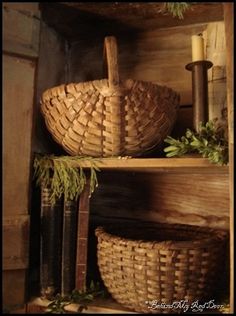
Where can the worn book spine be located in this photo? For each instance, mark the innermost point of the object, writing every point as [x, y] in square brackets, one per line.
[82, 238]
[69, 247]
[50, 244]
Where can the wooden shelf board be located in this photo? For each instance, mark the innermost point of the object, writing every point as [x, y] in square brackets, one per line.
[183, 165]
[124, 17]
[99, 305]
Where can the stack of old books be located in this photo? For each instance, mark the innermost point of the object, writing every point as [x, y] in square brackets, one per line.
[57, 245]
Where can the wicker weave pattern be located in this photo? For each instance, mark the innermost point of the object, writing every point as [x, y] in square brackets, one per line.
[137, 271]
[102, 118]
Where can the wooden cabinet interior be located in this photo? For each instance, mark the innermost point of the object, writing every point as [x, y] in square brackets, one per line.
[152, 47]
[155, 48]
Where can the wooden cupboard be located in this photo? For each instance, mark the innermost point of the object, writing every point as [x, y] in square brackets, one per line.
[20, 51]
[152, 47]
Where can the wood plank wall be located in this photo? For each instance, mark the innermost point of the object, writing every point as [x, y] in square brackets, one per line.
[160, 56]
[216, 52]
[52, 70]
[20, 47]
[195, 199]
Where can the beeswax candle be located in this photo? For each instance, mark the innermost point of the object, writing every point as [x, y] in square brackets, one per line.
[197, 48]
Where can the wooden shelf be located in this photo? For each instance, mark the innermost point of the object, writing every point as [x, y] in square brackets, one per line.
[123, 17]
[174, 165]
[98, 306]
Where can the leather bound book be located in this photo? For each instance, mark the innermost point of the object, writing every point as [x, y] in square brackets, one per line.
[50, 244]
[69, 247]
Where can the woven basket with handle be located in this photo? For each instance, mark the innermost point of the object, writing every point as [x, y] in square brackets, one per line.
[109, 117]
[146, 265]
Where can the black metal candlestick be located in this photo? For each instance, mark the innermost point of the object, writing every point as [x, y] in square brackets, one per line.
[199, 91]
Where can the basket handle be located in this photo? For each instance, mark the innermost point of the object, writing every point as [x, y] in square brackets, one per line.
[111, 60]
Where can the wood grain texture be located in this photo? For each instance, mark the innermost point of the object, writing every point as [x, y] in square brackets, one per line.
[14, 289]
[78, 20]
[15, 242]
[18, 96]
[187, 202]
[160, 56]
[110, 47]
[157, 56]
[173, 165]
[21, 25]
[52, 70]
[97, 306]
[229, 33]
[20, 38]
[170, 198]
[216, 53]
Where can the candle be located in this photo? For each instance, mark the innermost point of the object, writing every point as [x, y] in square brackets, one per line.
[197, 48]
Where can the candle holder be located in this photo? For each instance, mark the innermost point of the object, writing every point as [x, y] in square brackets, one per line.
[199, 91]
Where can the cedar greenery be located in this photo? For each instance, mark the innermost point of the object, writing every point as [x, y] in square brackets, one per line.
[177, 9]
[58, 303]
[211, 142]
[64, 175]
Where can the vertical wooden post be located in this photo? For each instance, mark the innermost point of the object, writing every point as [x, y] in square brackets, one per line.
[228, 18]
[82, 238]
[216, 53]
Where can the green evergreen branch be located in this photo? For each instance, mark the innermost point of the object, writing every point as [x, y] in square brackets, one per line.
[177, 9]
[211, 142]
[58, 303]
[64, 175]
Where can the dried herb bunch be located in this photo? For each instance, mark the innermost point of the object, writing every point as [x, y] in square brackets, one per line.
[211, 142]
[64, 175]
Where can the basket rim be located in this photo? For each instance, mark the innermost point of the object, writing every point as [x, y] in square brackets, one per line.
[65, 88]
[212, 236]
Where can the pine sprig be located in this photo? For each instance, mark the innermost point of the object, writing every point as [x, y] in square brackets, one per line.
[177, 9]
[58, 303]
[64, 175]
[211, 142]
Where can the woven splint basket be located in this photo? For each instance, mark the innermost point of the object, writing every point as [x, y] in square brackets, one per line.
[148, 267]
[109, 117]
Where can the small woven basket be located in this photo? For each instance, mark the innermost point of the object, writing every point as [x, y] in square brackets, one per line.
[144, 266]
[109, 117]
